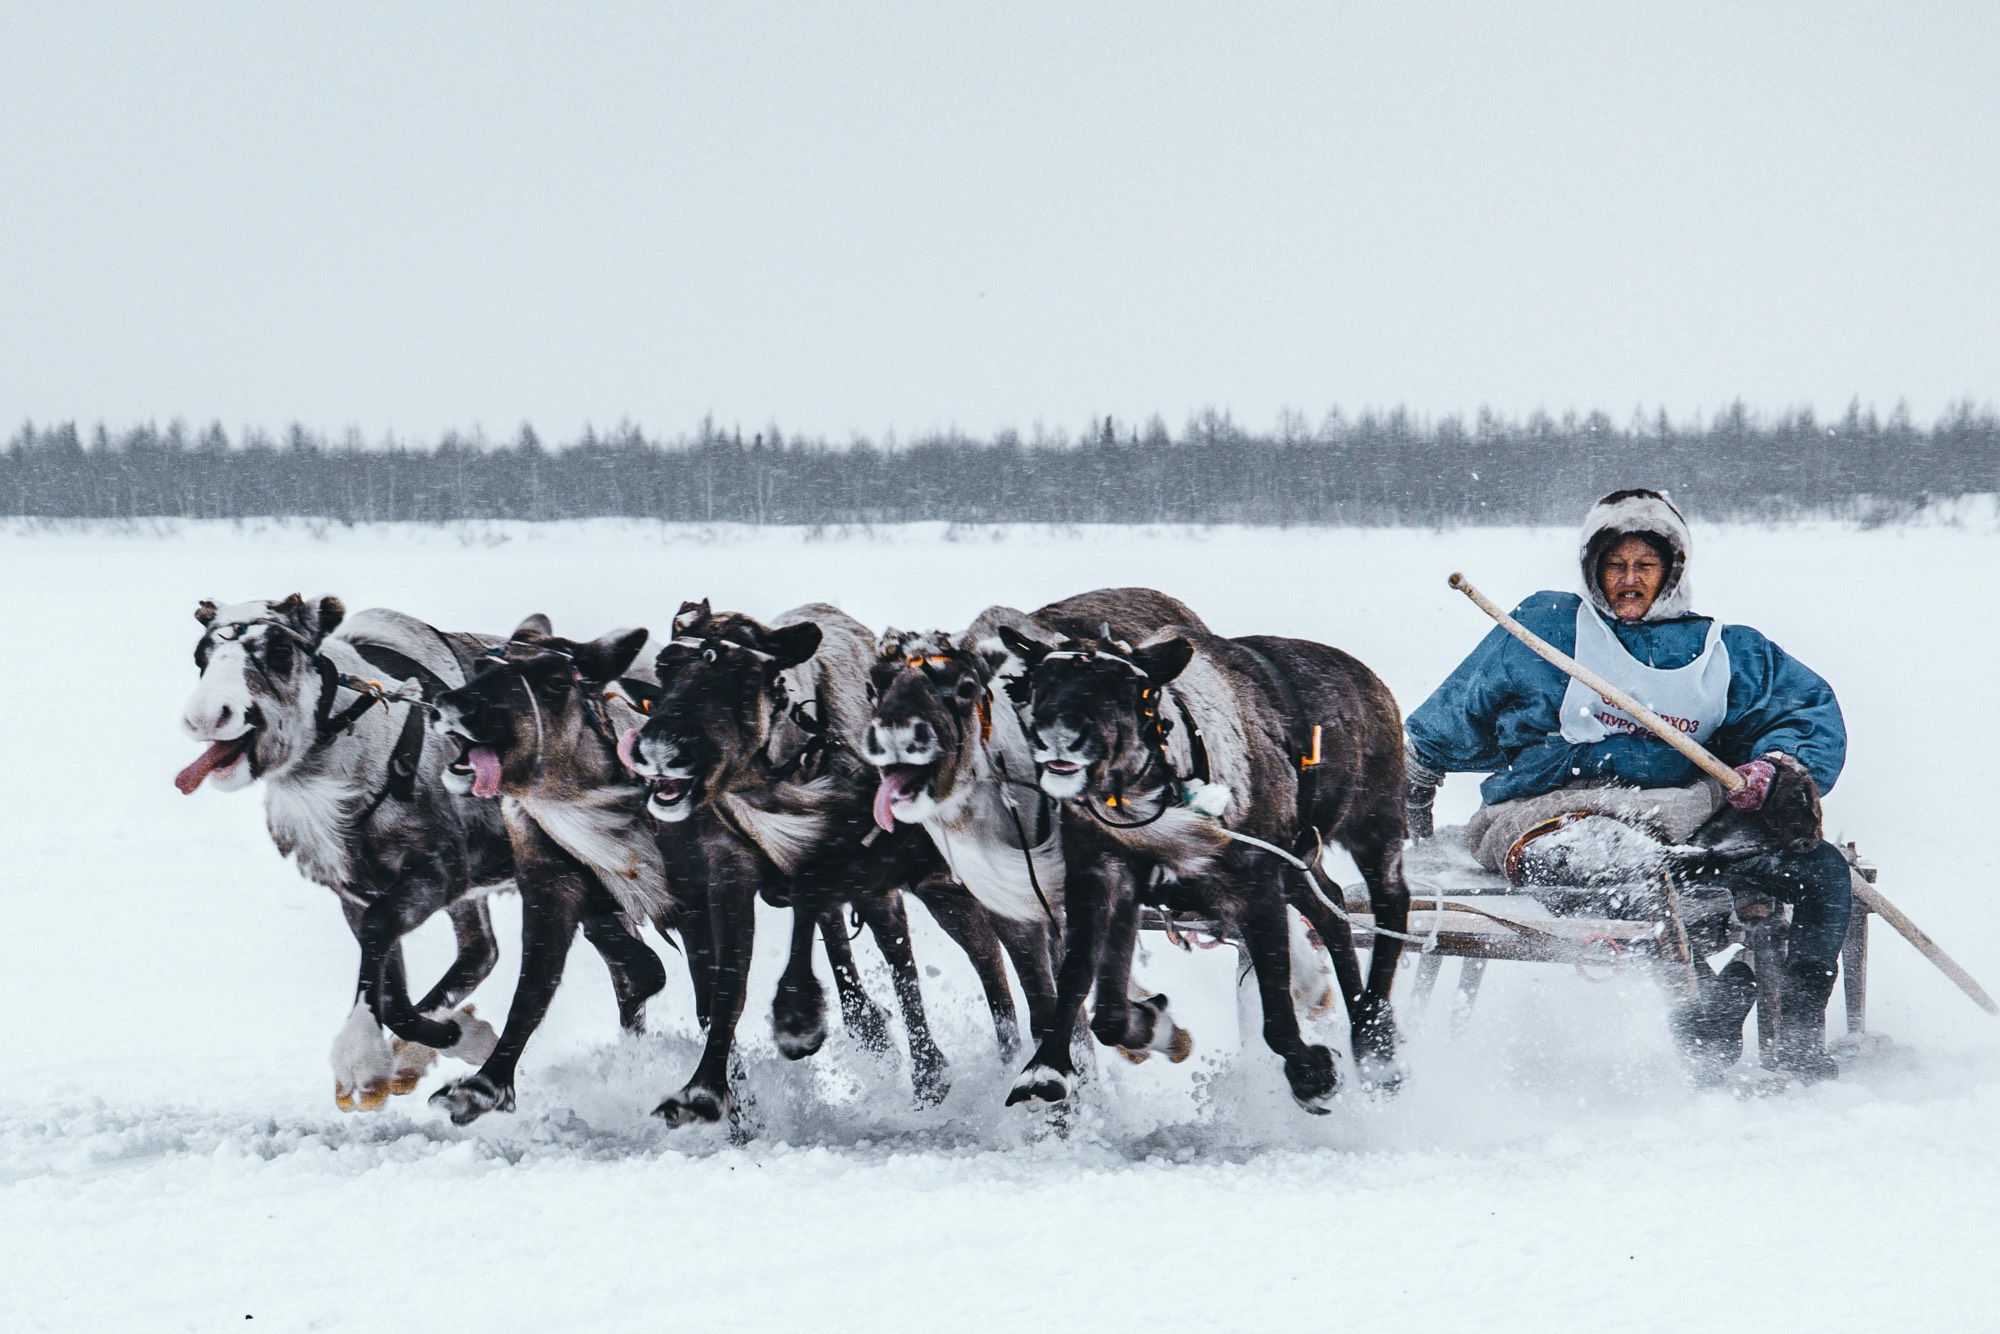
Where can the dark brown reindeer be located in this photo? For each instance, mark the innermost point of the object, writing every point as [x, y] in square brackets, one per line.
[1143, 803]
[327, 712]
[955, 758]
[533, 726]
[751, 753]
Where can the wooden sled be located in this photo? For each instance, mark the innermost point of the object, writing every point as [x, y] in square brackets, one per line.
[1484, 918]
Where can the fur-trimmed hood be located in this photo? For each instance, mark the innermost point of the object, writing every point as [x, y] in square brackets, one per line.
[1621, 514]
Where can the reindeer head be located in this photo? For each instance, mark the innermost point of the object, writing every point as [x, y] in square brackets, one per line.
[933, 707]
[720, 694]
[1093, 711]
[529, 721]
[259, 698]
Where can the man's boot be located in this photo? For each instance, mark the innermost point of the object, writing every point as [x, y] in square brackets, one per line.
[1710, 1030]
[1802, 1001]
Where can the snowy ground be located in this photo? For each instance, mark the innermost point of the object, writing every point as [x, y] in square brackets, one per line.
[170, 1156]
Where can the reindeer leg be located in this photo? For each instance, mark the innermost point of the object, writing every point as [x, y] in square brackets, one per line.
[478, 951]
[867, 1021]
[550, 911]
[890, 926]
[1135, 1026]
[699, 947]
[1090, 890]
[1033, 947]
[1267, 934]
[732, 893]
[798, 1012]
[972, 928]
[383, 925]
[363, 1064]
[636, 972]
[1373, 1022]
[1335, 934]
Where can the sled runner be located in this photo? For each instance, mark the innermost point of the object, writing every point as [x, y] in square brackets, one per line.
[1485, 917]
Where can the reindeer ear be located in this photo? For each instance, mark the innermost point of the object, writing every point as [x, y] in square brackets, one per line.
[535, 627]
[791, 645]
[690, 615]
[332, 611]
[313, 620]
[607, 656]
[1164, 661]
[204, 612]
[990, 657]
[1029, 651]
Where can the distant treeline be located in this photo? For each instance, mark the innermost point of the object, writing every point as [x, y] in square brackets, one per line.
[1376, 468]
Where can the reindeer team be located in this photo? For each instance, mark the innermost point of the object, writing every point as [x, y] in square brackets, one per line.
[1041, 782]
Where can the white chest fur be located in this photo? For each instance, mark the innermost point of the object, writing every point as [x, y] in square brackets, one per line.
[995, 872]
[310, 819]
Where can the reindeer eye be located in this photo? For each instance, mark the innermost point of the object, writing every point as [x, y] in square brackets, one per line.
[709, 655]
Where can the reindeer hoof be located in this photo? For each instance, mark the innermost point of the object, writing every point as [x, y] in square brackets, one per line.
[367, 1097]
[411, 1060]
[798, 1036]
[1041, 1083]
[362, 1064]
[476, 1038]
[471, 1098]
[1136, 1055]
[693, 1105]
[1313, 1079]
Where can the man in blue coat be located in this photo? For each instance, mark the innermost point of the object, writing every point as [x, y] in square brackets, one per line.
[1550, 746]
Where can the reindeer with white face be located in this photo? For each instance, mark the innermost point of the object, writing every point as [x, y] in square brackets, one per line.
[1298, 742]
[750, 753]
[354, 795]
[954, 757]
[532, 734]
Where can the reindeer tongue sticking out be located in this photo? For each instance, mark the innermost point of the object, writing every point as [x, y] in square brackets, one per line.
[485, 771]
[217, 755]
[898, 783]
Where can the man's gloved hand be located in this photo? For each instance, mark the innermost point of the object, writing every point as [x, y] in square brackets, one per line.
[1757, 776]
[1424, 783]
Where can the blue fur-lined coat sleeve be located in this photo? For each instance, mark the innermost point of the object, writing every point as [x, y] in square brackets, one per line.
[1497, 712]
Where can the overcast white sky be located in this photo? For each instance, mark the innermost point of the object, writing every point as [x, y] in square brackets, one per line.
[406, 218]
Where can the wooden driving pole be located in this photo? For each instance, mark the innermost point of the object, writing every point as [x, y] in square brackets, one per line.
[1731, 781]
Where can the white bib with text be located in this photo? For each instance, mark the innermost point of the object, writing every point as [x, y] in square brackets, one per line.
[1693, 699]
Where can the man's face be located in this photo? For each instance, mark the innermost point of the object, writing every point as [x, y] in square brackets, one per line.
[1630, 577]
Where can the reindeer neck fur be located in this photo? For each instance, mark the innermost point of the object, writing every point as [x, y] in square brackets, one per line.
[791, 819]
[597, 814]
[312, 809]
[788, 822]
[976, 828]
[606, 830]
[1215, 699]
